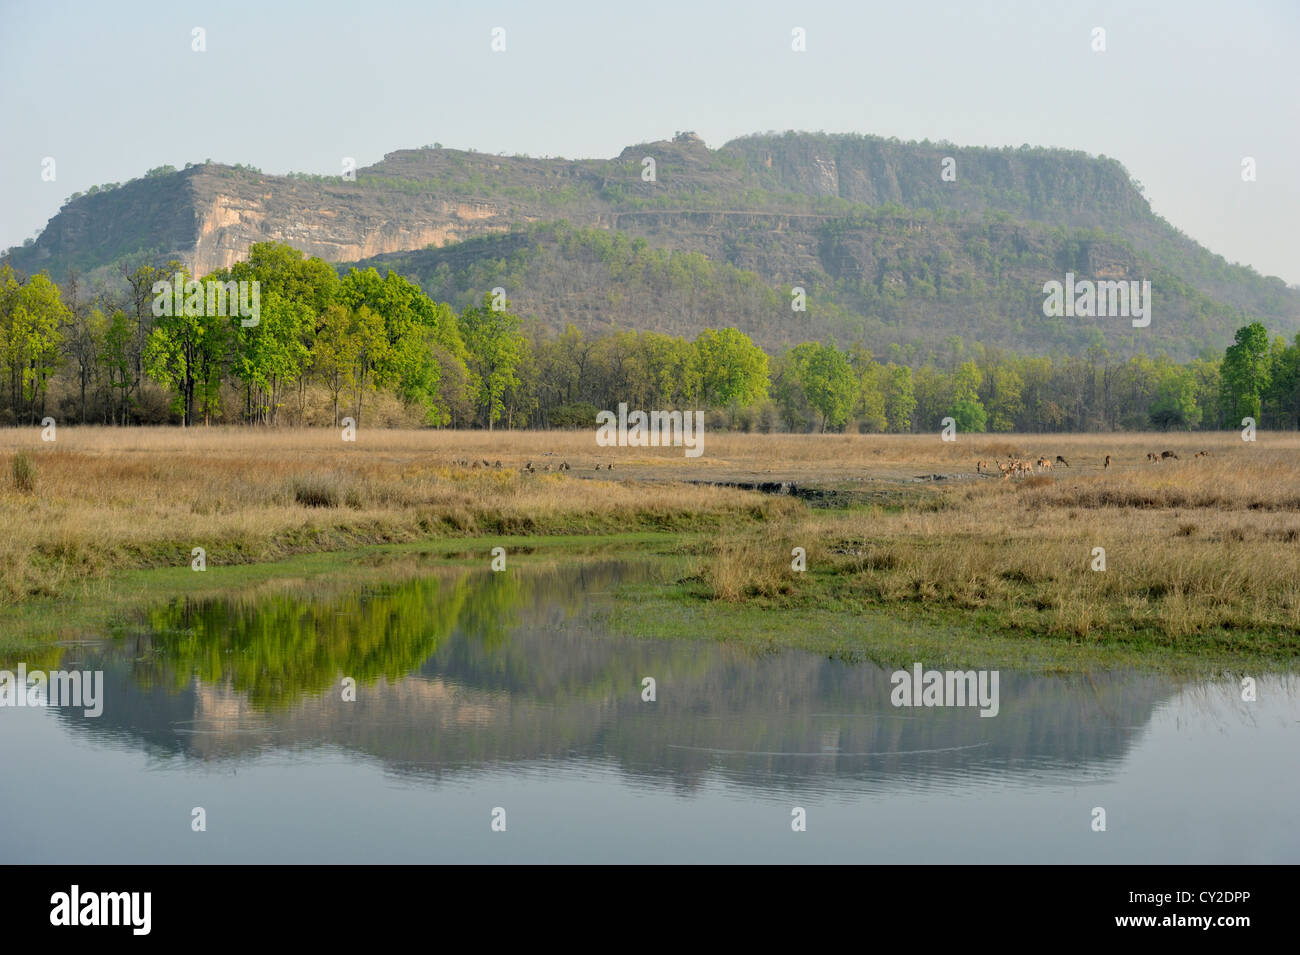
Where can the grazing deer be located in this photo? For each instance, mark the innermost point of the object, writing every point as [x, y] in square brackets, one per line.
[1202, 454]
[1168, 454]
[1107, 464]
[1061, 460]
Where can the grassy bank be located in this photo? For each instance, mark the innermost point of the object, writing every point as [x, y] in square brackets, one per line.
[112, 605]
[1202, 561]
[99, 502]
[1202, 555]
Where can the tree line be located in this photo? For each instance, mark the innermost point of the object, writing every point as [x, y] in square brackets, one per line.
[326, 346]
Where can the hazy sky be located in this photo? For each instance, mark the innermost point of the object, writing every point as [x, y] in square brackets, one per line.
[1184, 90]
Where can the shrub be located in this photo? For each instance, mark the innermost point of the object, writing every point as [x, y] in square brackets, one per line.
[24, 473]
[316, 491]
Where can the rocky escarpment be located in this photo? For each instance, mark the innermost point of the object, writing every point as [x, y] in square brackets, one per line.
[340, 223]
[208, 215]
[862, 220]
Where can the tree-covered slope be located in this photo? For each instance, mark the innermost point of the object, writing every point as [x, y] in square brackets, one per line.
[881, 277]
[885, 244]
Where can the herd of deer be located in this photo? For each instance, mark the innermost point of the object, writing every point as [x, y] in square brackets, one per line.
[527, 468]
[1014, 467]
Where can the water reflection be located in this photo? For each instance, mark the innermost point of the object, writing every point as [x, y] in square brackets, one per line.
[460, 671]
[477, 690]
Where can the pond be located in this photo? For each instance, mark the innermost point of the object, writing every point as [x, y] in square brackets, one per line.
[503, 717]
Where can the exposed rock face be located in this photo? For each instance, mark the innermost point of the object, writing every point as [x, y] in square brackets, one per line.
[209, 215]
[338, 222]
[788, 207]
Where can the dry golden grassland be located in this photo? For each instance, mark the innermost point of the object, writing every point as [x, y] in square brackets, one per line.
[1192, 546]
[107, 499]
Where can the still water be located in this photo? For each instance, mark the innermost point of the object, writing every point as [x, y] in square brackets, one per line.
[478, 692]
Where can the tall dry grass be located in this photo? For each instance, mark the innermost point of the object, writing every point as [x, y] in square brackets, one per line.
[1191, 544]
[126, 498]
[1207, 546]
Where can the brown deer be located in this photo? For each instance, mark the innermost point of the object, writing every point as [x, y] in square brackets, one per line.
[1107, 464]
[1044, 464]
[1153, 458]
[1168, 454]
[1061, 460]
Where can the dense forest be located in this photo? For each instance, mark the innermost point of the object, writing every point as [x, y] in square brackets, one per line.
[377, 349]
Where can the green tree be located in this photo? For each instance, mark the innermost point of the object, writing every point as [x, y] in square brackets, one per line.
[115, 360]
[965, 406]
[969, 415]
[31, 316]
[1175, 401]
[1004, 403]
[732, 370]
[1245, 372]
[336, 351]
[494, 346]
[900, 398]
[1285, 390]
[418, 332]
[824, 375]
[176, 347]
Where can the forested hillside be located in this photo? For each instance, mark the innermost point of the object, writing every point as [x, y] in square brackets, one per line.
[880, 278]
[892, 243]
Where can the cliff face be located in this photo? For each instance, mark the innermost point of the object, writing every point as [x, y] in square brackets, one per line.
[209, 215]
[1051, 185]
[336, 223]
[863, 219]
